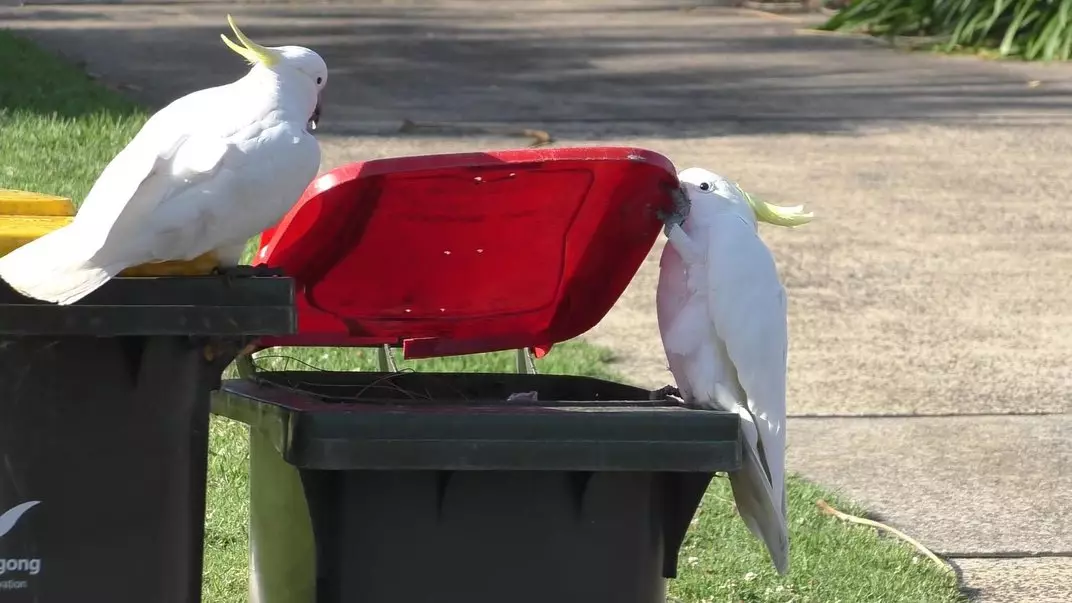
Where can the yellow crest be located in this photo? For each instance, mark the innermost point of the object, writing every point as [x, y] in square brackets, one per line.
[252, 51]
[790, 217]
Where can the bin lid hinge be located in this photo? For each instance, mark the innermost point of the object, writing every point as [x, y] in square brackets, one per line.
[387, 359]
[245, 367]
[526, 365]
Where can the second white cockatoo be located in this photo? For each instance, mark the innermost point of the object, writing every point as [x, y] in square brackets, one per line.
[204, 174]
[722, 316]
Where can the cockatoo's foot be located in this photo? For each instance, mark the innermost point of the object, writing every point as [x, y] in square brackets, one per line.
[665, 393]
[246, 271]
[232, 273]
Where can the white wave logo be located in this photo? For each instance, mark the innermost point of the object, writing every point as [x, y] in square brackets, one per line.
[9, 519]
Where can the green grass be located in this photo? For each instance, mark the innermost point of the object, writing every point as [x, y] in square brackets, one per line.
[57, 131]
[570, 358]
[830, 561]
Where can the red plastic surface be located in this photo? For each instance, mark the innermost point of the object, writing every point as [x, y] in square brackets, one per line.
[466, 253]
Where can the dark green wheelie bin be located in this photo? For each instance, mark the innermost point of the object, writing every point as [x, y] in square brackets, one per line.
[104, 410]
[423, 487]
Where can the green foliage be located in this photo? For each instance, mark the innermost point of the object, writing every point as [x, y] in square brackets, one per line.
[1030, 29]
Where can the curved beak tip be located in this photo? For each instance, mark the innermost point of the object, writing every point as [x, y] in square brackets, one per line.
[314, 119]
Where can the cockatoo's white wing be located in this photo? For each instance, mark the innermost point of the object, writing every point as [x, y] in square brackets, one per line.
[259, 175]
[747, 304]
[158, 139]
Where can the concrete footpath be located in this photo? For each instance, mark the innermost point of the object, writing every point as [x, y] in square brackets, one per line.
[931, 329]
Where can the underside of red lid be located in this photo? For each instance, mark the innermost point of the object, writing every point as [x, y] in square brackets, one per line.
[466, 253]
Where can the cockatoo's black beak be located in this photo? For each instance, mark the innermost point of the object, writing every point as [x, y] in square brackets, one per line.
[314, 119]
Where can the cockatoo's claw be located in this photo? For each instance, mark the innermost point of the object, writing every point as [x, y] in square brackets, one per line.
[232, 273]
[664, 393]
[245, 271]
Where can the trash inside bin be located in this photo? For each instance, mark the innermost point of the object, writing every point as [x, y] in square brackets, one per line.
[104, 410]
[388, 486]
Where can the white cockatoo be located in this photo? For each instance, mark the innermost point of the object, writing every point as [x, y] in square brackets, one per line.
[204, 174]
[722, 316]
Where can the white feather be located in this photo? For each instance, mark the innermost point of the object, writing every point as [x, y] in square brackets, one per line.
[722, 316]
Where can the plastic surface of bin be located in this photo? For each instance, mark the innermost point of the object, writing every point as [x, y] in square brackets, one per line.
[432, 487]
[359, 492]
[473, 252]
[104, 433]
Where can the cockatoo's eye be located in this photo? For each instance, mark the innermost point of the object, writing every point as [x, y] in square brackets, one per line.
[705, 186]
[319, 80]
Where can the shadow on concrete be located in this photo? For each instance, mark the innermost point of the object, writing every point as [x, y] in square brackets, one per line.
[973, 594]
[651, 69]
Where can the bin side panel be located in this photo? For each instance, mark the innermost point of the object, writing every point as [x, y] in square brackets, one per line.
[109, 436]
[492, 536]
[683, 493]
[282, 550]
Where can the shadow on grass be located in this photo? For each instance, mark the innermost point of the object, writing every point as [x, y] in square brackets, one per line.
[595, 72]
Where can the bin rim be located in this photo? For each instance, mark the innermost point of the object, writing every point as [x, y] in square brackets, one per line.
[574, 435]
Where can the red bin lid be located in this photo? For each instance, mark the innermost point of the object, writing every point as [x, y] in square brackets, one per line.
[465, 253]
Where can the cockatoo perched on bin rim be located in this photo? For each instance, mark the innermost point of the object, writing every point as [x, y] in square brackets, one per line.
[204, 174]
[722, 315]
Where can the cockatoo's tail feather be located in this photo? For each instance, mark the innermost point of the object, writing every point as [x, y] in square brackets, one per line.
[55, 268]
[757, 504]
[252, 51]
[789, 217]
